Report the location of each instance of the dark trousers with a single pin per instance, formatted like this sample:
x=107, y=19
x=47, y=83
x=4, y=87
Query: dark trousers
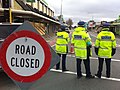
x=87, y=67
x=63, y=62
x=108, y=66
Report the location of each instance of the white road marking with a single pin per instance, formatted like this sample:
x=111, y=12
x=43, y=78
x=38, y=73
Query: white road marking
x=114, y=60
x=74, y=73
x=93, y=35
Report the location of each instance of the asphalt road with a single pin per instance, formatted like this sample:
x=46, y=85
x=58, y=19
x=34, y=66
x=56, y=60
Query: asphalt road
x=57, y=80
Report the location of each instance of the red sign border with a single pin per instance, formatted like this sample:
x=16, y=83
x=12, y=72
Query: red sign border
x=40, y=40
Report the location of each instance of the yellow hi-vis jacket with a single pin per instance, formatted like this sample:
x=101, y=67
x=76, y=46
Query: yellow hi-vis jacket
x=80, y=39
x=62, y=42
x=105, y=42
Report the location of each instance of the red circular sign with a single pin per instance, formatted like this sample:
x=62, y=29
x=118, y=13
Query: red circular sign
x=4, y=62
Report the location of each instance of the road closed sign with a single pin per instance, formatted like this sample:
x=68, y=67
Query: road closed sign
x=25, y=56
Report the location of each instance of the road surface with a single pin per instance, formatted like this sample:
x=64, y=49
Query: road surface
x=58, y=80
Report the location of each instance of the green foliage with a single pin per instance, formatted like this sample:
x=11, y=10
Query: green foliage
x=69, y=22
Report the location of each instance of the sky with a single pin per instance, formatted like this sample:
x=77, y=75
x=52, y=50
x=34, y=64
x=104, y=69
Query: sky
x=86, y=10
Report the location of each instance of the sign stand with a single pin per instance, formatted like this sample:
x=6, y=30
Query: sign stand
x=26, y=56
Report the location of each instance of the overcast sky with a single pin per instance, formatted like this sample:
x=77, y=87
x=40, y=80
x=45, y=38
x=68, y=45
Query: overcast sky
x=87, y=9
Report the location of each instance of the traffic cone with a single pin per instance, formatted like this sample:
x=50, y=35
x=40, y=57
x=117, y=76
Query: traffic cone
x=72, y=48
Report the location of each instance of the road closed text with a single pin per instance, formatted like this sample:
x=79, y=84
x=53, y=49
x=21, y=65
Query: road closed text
x=30, y=61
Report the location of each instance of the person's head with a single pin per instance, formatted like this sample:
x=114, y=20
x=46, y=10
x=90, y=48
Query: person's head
x=63, y=27
x=106, y=26
x=81, y=23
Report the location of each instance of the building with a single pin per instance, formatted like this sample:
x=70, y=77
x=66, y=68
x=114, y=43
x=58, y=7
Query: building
x=38, y=12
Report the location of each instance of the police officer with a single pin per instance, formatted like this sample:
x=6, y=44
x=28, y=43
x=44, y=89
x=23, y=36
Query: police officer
x=105, y=47
x=82, y=41
x=62, y=47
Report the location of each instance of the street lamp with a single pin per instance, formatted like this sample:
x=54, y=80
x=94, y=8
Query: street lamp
x=61, y=6
x=61, y=16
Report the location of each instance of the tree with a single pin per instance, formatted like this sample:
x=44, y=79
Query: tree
x=61, y=19
x=69, y=22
